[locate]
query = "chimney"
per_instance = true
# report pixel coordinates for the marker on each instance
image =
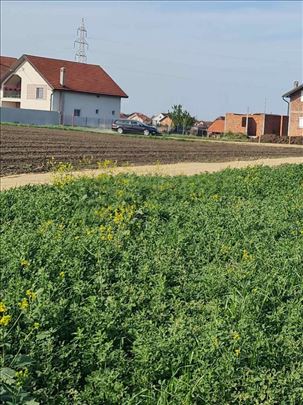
(296, 83)
(62, 76)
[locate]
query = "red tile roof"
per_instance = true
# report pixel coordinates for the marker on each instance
(5, 63)
(143, 117)
(217, 125)
(79, 77)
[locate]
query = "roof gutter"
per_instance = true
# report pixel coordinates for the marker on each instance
(288, 124)
(287, 105)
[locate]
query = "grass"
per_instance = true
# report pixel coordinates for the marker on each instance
(154, 290)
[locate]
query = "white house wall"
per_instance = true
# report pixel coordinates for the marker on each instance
(87, 104)
(157, 118)
(30, 79)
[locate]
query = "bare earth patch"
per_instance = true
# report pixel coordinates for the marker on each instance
(30, 149)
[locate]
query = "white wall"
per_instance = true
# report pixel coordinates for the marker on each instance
(157, 118)
(88, 104)
(30, 77)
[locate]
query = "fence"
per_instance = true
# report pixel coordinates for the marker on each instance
(91, 122)
(31, 117)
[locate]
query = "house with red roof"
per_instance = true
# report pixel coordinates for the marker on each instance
(216, 127)
(140, 117)
(73, 89)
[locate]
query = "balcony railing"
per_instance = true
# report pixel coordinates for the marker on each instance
(12, 93)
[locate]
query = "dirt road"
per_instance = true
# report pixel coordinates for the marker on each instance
(187, 169)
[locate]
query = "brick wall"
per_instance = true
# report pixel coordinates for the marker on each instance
(237, 123)
(234, 123)
(275, 124)
(295, 112)
(258, 124)
(284, 129)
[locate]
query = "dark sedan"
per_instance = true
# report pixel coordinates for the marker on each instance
(134, 127)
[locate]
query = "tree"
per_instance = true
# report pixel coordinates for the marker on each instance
(181, 118)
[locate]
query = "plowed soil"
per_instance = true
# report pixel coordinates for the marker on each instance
(29, 149)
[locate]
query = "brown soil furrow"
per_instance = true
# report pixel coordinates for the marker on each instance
(26, 149)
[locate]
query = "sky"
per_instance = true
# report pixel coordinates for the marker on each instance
(210, 57)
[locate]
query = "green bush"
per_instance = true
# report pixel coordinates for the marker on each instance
(154, 290)
(235, 136)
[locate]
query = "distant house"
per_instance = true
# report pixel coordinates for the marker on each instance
(216, 127)
(166, 124)
(200, 128)
(256, 124)
(157, 118)
(163, 122)
(75, 90)
(295, 127)
(124, 116)
(140, 117)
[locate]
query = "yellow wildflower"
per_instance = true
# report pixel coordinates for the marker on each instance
(119, 193)
(62, 274)
(225, 249)
(24, 304)
(246, 255)
(237, 351)
(24, 263)
(118, 217)
(236, 336)
(36, 325)
(5, 320)
(216, 342)
(106, 233)
(22, 374)
(31, 294)
(2, 307)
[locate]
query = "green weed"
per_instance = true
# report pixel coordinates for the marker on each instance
(154, 290)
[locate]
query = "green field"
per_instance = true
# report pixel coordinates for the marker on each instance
(154, 290)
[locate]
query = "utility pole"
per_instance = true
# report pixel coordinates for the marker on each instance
(80, 55)
(247, 121)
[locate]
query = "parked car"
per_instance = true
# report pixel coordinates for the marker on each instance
(134, 127)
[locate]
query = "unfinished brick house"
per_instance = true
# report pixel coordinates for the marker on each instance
(295, 110)
(256, 124)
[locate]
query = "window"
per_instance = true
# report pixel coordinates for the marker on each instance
(97, 111)
(243, 122)
(77, 113)
(113, 112)
(39, 92)
(300, 122)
